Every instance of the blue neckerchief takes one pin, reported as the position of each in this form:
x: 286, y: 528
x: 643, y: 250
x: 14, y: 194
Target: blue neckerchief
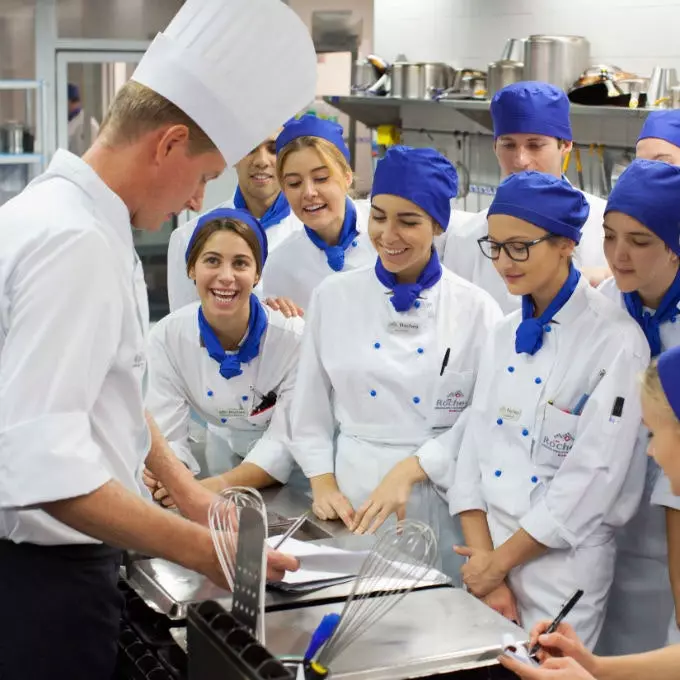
x: 405, y: 294
x: 650, y: 323
x: 276, y: 212
x: 335, y: 255
x: 73, y: 114
x: 230, y: 364
x: 529, y: 335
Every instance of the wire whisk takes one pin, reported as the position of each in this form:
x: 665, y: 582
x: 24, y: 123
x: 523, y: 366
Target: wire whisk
x: 402, y: 557
x: 224, y: 516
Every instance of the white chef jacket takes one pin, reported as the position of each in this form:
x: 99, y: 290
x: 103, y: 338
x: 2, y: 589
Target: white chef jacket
x: 374, y: 374
x: 640, y: 611
x: 567, y: 480
x: 456, y: 222
x: 181, y: 289
x: 297, y: 267
x: 73, y: 320
x: 183, y: 376
x: 463, y: 256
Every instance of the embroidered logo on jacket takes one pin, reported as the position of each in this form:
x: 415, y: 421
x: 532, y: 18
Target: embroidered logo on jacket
x: 455, y: 402
x: 560, y: 443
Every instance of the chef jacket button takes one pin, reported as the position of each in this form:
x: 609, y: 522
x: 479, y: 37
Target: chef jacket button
x: 416, y: 400
x: 224, y: 420
x: 210, y: 393
x: 547, y: 328
x: 499, y: 421
x: 376, y: 345
x: 511, y: 369
x: 498, y: 473
x: 647, y: 315
x: 373, y: 393
x: 354, y: 244
x: 534, y: 479
x: 416, y: 304
x: 538, y: 381
x: 420, y: 350
x: 525, y: 432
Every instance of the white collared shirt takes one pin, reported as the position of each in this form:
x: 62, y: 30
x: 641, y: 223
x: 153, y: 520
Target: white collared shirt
x: 73, y: 321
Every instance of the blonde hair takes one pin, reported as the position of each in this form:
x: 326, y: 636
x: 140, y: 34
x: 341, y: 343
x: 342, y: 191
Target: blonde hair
x: 329, y: 153
x: 653, y: 390
x: 137, y: 110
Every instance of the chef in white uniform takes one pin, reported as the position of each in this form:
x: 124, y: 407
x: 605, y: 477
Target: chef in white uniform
x: 227, y: 357
x: 260, y: 194
x: 73, y: 323
x: 532, y: 131
x: 642, y: 243
x: 562, y: 654
x: 389, y: 359
x: 315, y: 175
x: 543, y: 476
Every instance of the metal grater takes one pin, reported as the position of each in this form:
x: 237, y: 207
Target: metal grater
x: 249, y: 582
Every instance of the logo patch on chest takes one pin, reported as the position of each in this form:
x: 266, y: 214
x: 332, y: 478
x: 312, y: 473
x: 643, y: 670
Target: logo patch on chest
x: 560, y: 443
x: 454, y: 402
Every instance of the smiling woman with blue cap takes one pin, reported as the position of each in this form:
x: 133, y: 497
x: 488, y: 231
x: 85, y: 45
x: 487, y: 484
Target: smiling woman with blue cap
x: 227, y: 358
x: 532, y: 131
x: 642, y: 245
x: 410, y: 333
x: 315, y: 175
x: 543, y: 473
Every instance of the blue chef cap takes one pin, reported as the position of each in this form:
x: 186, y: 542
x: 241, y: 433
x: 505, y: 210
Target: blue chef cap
x: 548, y: 202
x: 648, y: 191
x: 669, y: 373
x: 73, y: 93
x: 531, y: 107
x: 422, y: 176
x: 231, y: 214
x: 311, y: 126
x: 662, y: 125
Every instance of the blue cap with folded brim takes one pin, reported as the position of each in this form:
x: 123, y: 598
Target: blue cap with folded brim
x: 669, y: 373
x: 662, y: 125
x: 422, y: 176
x: 231, y: 214
x: 545, y: 201
x: 649, y: 192
x: 531, y: 107
x: 311, y: 126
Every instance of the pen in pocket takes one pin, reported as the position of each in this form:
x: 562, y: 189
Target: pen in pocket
x: 581, y: 403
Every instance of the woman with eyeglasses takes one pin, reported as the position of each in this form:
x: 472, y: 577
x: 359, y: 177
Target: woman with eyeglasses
x: 544, y: 473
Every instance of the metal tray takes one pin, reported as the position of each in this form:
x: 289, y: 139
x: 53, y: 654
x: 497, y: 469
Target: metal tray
x: 430, y: 632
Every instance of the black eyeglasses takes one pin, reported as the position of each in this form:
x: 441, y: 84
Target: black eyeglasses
x: 515, y: 250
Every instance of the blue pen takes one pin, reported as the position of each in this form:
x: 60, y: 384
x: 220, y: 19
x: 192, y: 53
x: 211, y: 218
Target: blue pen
x: 581, y: 403
x: 321, y: 635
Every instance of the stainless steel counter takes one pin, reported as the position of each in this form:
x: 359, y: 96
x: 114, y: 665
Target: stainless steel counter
x: 430, y: 632
x: 169, y: 588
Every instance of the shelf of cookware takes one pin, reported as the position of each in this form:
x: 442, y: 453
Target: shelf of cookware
x: 376, y: 111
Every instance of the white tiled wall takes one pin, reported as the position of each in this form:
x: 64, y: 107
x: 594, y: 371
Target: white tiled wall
x: 633, y: 34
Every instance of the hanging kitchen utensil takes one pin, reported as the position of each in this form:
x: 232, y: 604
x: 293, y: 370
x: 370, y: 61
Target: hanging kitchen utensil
x: 579, y: 168
x: 399, y: 560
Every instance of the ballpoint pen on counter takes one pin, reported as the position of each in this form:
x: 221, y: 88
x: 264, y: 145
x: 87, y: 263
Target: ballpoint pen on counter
x: 581, y: 403
x: 292, y: 529
x: 558, y: 619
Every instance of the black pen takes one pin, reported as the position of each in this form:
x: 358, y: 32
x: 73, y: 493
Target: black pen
x: 558, y: 619
x: 617, y: 409
x: 445, y: 362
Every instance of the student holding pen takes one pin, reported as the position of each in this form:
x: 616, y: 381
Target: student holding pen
x: 388, y: 362
x: 562, y: 654
x: 544, y: 473
x: 642, y: 245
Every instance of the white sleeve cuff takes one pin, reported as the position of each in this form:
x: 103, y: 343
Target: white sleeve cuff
x: 433, y: 459
x: 663, y: 495
x: 49, y: 459
x: 470, y: 499
x: 540, y: 524
x: 273, y: 457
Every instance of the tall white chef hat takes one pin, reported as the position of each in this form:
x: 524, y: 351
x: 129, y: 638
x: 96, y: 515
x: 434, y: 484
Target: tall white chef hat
x: 238, y: 68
